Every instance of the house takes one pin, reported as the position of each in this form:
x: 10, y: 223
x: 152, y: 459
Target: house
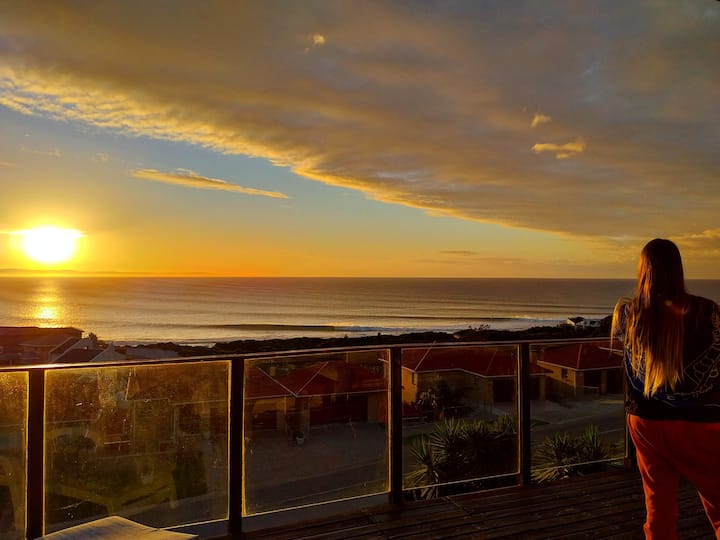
x: 486, y: 375
x: 86, y: 350
x: 582, y: 322
x: 576, y: 369
x: 42, y: 349
x: 295, y: 397
x: 32, y: 344
x: 265, y: 400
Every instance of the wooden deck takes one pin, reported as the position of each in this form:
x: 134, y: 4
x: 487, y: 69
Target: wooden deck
x: 604, y: 505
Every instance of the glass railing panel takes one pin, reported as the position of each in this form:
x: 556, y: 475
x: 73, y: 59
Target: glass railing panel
x: 578, y: 419
x: 459, y: 418
x: 315, y: 429
x: 149, y: 442
x: 13, y: 429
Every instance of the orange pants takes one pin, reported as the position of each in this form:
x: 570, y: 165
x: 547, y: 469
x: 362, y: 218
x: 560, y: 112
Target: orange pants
x: 667, y: 450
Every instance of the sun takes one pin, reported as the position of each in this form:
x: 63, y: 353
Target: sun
x: 48, y: 244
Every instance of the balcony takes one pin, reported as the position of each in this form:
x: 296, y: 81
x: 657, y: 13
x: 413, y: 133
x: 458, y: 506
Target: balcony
x: 283, y: 443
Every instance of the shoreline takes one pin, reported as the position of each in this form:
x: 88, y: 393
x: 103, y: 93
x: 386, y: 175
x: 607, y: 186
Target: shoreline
x: 249, y: 346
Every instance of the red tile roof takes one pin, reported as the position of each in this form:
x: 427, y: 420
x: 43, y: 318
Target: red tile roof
x: 259, y: 385
x: 307, y: 381
x: 580, y: 356
x: 481, y: 361
x: 315, y: 379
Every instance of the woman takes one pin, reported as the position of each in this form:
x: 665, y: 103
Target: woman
x: 672, y: 361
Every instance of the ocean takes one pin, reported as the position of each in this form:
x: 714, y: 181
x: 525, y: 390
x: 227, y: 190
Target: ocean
x: 135, y: 310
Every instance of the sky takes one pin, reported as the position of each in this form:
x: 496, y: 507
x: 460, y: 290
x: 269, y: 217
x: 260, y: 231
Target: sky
x: 343, y: 138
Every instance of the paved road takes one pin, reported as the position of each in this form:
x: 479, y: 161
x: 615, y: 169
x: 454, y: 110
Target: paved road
x: 354, y: 481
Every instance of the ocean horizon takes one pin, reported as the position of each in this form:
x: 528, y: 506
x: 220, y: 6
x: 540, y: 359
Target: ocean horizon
x: 206, y: 310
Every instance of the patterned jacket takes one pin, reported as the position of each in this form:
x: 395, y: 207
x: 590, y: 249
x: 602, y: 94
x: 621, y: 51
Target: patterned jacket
x: 697, y: 396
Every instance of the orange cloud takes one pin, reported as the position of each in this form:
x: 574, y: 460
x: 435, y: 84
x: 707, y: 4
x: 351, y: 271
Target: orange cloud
x: 192, y: 179
x: 539, y: 119
x: 561, y: 151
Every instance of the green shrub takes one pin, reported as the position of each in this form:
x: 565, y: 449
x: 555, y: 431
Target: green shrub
x: 563, y: 455
x: 460, y: 450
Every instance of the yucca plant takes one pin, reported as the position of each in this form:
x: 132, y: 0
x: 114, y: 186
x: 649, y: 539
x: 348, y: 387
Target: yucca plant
x: 480, y: 438
x: 449, y: 445
x: 592, y: 449
x: 420, y: 450
x: 556, y: 457
x: 563, y: 455
x: 591, y: 445
x: 459, y: 450
x: 426, y: 476
x: 506, y: 424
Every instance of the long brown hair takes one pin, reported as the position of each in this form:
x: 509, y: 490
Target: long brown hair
x: 654, y: 319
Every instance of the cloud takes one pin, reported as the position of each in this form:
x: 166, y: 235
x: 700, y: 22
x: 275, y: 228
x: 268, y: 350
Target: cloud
x: 539, y: 119
x: 460, y: 252
x: 701, y: 246
x: 561, y: 151
x: 6, y: 163
x: 183, y: 177
x: 489, y: 262
x: 100, y: 157
x: 403, y: 107
x: 466, y: 256
x: 55, y: 152
x: 318, y: 40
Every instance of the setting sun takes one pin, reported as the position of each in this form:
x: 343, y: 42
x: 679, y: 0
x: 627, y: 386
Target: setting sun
x: 50, y: 245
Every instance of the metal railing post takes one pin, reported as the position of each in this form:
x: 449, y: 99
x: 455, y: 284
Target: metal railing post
x: 235, y: 461
x: 524, y: 447
x: 35, y: 507
x: 396, y: 449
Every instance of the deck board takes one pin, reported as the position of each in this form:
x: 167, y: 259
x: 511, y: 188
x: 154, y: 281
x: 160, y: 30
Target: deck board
x: 604, y: 505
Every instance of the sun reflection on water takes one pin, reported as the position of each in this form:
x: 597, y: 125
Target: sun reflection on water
x: 47, y: 307
x: 46, y: 313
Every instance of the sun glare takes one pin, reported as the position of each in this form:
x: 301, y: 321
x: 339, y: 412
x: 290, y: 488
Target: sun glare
x: 49, y: 245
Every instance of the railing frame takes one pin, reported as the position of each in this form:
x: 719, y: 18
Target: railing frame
x: 36, y: 418
x: 35, y: 504
x: 235, y: 450
x: 524, y: 436
x: 395, y: 419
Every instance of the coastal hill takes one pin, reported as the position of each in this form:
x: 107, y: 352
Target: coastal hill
x: 480, y: 334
